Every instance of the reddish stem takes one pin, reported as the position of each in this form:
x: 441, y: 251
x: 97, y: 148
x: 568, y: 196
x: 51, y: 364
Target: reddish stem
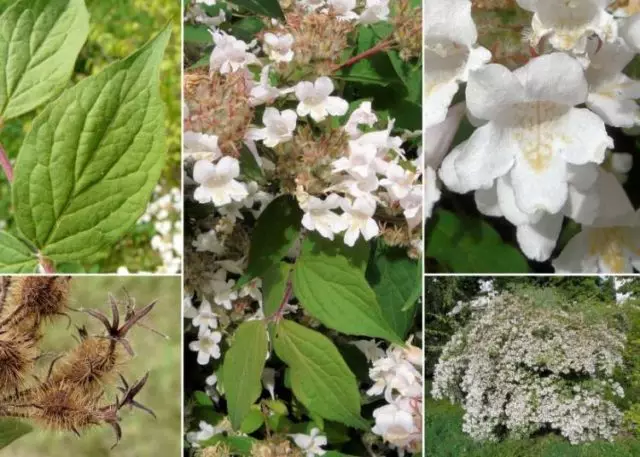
x: 287, y: 296
x: 6, y: 164
x: 47, y: 265
x: 382, y: 46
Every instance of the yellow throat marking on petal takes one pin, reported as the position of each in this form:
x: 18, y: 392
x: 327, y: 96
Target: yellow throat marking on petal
x: 536, y: 133
x: 609, y: 244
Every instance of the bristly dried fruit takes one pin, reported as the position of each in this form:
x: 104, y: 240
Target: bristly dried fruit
x: 70, y: 395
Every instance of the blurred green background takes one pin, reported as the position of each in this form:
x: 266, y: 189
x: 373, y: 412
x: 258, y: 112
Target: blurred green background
x: 143, y: 436
x: 117, y: 29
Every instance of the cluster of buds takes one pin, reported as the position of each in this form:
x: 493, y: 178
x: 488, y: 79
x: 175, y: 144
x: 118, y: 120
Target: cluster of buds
x: 68, y: 396
x: 407, y: 25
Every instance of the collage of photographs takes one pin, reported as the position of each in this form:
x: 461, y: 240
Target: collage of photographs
x: 303, y: 228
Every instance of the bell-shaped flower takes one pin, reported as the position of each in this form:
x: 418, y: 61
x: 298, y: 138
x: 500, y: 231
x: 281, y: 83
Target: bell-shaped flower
x: 612, y: 94
x: 201, y: 146
x: 205, y: 318
x: 362, y: 115
x: 395, y: 424
x: 450, y: 52
x: 431, y: 192
x: 344, y: 9
x: 375, y: 11
x: 224, y: 290
x: 217, y: 182
x: 398, y: 181
x: 568, y: 24
x: 230, y: 54
x: 279, y: 47
x: 358, y: 218
x: 278, y: 127
x: 207, y: 345
x: 311, y: 445
x: 263, y: 92
x: 534, y: 136
x: 611, y: 244
x: 316, y: 100
x: 319, y: 216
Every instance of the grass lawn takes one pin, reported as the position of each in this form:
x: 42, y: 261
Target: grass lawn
x: 143, y: 436
x: 444, y: 438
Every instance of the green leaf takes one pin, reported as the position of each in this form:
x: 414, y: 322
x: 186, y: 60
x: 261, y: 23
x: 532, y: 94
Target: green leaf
x: 87, y: 168
x: 242, y: 369
x: 270, y: 8
x: 470, y: 246
x: 15, y: 256
x: 39, y: 43
x: 252, y: 421
x: 320, y: 378
x: 202, y: 398
x: 11, y: 430
x: 277, y: 228
x: 248, y: 165
x: 335, y: 292
x: 247, y: 28
x: 274, y: 286
x: 357, y: 255
x: 197, y: 34
x: 396, y: 280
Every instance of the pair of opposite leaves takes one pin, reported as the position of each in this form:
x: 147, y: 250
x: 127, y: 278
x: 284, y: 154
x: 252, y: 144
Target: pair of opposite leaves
x: 87, y: 168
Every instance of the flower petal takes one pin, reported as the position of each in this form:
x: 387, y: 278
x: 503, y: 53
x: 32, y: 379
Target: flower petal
x: 538, y: 240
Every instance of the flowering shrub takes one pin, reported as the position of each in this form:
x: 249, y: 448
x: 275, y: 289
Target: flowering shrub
x: 303, y: 208
x: 67, y: 393
x: 519, y: 368
x: 75, y: 196
x: 543, y: 88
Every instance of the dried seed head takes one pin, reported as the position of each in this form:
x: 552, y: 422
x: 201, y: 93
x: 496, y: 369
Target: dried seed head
x: 64, y: 407
x: 219, y: 105
x: 219, y: 450
x: 306, y: 161
x: 278, y: 447
x: 17, y: 356
x: 319, y: 38
x: 32, y: 299
x: 407, y: 24
x: 90, y: 365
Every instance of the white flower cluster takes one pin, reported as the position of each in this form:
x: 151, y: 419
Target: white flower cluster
x: 522, y: 368
x: 372, y: 12
x: 541, y: 151
x: 165, y: 214
x: 397, y: 376
x: 372, y: 172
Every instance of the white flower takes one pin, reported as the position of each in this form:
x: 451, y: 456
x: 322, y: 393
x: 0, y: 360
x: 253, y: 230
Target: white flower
x: 611, y: 244
x: 205, y: 317
x: 375, y: 11
x: 370, y: 349
x: 612, y: 94
x: 252, y: 289
x: 395, y: 425
x: 630, y: 31
x: 344, y: 8
x: 398, y: 181
x: 217, y: 183
x: 206, y: 345
x: 208, y: 242
x: 278, y: 47
x: 311, y: 5
x: 316, y: 100
x: 188, y: 310
x: 567, y: 24
x: 439, y: 137
x: 318, y: 216
x: 263, y: 92
x: 201, y: 146
x: 361, y: 162
x: 269, y: 381
x: 358, y: 218
x: 223, y: 289
x: 310, y: 444
x: 535, y: 137
x: 412, y: 203
x: 279, y: 127
x: 362, y: 115
x: 450, y: 52
x: 230, y: 54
